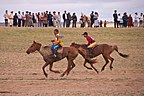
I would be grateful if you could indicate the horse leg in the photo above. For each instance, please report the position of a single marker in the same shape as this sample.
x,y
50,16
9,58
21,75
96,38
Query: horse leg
x,y
43,68
94,68
50,68
68,68
86,66
73,65
106,59
112,59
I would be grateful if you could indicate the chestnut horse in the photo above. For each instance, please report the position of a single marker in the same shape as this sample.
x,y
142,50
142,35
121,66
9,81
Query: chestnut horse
x,y
69,52
103,49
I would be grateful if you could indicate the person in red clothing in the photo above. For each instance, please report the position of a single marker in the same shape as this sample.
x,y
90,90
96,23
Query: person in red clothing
x,y
91,42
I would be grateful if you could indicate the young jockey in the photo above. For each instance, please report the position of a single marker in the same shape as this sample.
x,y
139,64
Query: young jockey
x,y
91,42
57,43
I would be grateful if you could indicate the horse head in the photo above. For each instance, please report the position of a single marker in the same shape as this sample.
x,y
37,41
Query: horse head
x,y
34,47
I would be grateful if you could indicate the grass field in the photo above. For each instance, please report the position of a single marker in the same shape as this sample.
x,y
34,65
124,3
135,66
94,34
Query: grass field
x,y
21,74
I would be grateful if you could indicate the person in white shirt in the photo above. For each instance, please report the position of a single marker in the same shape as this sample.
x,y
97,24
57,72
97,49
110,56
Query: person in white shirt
x,y
6,17
96,21
19,19
136,19
23,19
120,21
11,16
141,20
54,19
59,20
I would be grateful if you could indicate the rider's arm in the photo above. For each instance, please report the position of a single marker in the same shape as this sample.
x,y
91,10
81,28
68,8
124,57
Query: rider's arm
x,y
57,41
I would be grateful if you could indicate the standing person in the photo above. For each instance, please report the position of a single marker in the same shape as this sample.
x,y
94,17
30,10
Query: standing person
x,y
136,19
11,16
68,20
95,18
50,19
34,19
92,18
39,19
91,43
101,23
82,21
120,21
64,19
130,21
23,19
57,43
15,23
27,18
115,16
141,20
124,19
42,18
54,19
45,20
19,19
74,19
30,24
6,17
59,20
105,23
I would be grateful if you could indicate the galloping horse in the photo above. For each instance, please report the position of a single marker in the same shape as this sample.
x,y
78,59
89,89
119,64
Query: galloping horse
x,y
103,49
69,52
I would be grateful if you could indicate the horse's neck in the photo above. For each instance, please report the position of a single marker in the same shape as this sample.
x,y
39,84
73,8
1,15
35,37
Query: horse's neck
x,y
83,46
45,51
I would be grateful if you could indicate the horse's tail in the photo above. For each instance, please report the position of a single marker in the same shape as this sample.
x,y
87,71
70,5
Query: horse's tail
x,y
91,61
122,55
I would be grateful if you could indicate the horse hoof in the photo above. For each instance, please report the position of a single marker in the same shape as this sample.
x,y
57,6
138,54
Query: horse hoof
x,y
102,69
57,72
90,68
62,75
46,75
111,68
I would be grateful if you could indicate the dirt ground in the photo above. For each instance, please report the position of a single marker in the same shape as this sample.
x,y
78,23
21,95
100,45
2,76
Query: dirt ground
x,y
21,74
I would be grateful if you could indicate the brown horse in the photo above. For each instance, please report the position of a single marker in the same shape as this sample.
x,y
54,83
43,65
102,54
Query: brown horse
x,y
69,52
103,49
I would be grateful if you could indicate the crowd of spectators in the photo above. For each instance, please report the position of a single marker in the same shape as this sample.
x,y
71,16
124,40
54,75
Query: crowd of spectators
x,y
53,19
127,20
48,19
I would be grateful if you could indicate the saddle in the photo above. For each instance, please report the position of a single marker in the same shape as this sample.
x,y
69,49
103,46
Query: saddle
x,y
60,50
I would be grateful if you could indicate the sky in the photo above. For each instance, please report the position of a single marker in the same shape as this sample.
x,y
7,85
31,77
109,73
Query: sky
x,y
105,8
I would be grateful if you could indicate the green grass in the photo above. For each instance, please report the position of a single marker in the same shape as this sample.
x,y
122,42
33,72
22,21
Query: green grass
x,y
17,40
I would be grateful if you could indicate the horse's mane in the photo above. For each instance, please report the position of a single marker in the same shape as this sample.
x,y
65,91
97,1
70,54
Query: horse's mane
x,y
46,47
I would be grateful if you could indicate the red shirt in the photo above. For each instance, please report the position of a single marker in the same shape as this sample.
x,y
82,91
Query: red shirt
x,y
90,40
